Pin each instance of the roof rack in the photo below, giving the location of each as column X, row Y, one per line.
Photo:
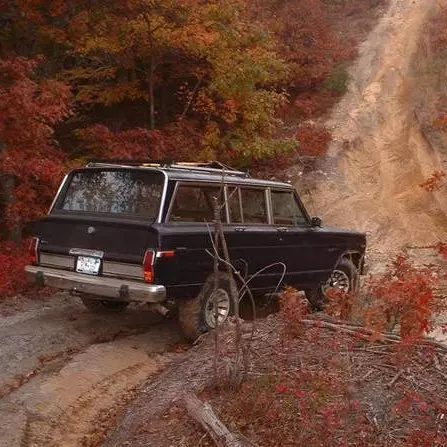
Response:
column 213, row 167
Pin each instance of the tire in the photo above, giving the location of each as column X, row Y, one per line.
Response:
column 103, row 306
column 346, row 277
column 196, row 315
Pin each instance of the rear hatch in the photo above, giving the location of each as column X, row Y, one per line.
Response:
column 102, row 213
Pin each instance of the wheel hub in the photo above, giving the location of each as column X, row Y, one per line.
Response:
column 223, row 306
column 338, row 280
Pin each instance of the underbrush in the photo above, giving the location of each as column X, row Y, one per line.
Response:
column 13, row 258
column 316, row 380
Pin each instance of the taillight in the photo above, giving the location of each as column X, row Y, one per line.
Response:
column 33, row 246
column 149, row 259
column 166, row 254
column 148, row 265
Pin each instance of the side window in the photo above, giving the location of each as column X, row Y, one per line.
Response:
column 194, row 203
column 286, row 210
column 254, row 205
column 234, row 204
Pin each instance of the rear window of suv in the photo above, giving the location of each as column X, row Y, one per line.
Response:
column 127, row 192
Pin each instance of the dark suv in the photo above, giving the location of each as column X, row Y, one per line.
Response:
column 120, row 231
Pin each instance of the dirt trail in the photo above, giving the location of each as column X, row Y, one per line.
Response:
column 380, row 155
column 65, row 372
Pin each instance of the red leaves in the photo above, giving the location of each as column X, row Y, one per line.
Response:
column 442, row 249
column 176, row 142
column 28, row 111
column 405, row 295
column 13, row 258
column 313, row 140
column 294, row 307
column 281, row 388
column 434, row 182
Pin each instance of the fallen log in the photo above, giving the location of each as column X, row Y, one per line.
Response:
column 203, row 414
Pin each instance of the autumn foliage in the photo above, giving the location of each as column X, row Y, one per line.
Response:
column 13, row 258
column 162, row 79
column 405, row 296
column 313, row 140
column 29, row 110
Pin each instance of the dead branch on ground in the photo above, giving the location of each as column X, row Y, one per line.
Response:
column 205, row 416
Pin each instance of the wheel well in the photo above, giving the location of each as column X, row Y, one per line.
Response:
column 355, row 257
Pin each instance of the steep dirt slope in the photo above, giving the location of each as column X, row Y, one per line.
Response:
column 380, row 154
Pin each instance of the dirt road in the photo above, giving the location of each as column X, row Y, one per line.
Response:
column 64, row 372
column 380, row 154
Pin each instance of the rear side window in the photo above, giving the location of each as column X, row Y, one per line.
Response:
column 114, row 192
column 194, row 203
column 286, row 210
column 254, row 206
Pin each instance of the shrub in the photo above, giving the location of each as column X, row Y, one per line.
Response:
column 405, row 295
column 313, row 140
column 337, row 81
column 13, row 258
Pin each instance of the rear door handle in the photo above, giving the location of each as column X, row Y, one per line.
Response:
column 239, row 229
column 282, row 229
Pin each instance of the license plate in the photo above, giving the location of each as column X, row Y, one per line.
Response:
column 88, row 264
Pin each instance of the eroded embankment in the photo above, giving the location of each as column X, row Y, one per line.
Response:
column 380, row 152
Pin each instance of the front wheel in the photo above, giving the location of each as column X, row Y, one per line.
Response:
column 345, row 278
column 197, row 315
column 103, row 306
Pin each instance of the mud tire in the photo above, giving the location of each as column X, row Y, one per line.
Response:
column 103, row 306
column 191, row 312
column 317, row 298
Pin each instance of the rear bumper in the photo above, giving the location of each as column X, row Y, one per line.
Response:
column 102, row 287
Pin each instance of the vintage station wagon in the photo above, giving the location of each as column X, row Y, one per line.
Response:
column 123, row 231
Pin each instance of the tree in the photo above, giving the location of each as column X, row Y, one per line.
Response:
column 29, row 110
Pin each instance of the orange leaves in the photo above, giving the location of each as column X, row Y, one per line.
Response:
column 434, row 182
column 178, row 141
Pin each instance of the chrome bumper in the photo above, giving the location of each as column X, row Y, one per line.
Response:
column 118, row 289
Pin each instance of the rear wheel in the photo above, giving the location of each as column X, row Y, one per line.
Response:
column 103, row 306
column 196, row 315
column 345, row 277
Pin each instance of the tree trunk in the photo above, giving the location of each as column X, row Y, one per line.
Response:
column 7, row 184
column 205, row 416
column 150, row 82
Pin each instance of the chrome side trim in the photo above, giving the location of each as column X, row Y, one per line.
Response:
column 171, row 205
column 163, row 197
column 86, row 252
column 268, row 201
column 226, row 204
column 121, row 269
column 57, row 194
column 52, row 260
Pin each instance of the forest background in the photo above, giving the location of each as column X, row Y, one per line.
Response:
column 246, row 82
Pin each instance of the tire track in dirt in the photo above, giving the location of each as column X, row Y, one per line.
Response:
column 73, row 400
